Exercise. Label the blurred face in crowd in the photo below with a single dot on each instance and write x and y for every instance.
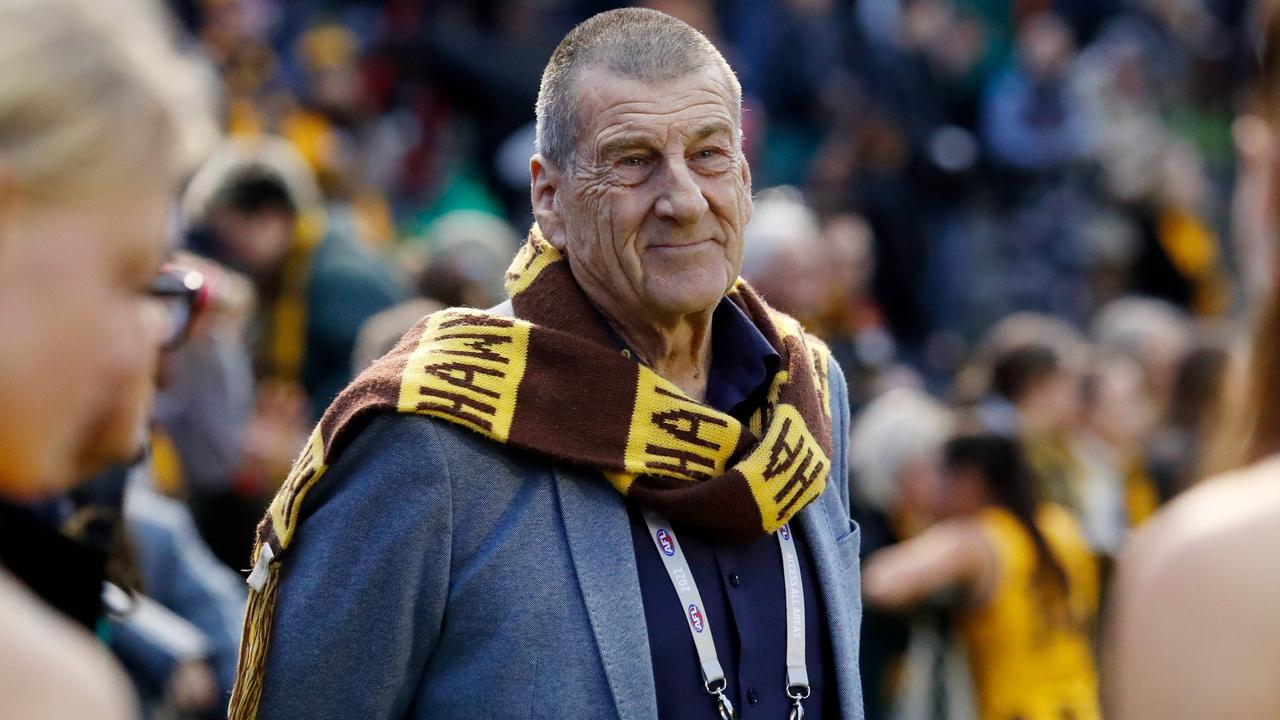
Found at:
(1052, 402)
(920, 490)
(792, 280)
(81, 333)
(964, 492)
(1045, 46)
(1120, 412)
(652, 209)
(851, 260)
(255, 243)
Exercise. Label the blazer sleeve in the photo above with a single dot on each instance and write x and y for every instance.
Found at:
(364, 584)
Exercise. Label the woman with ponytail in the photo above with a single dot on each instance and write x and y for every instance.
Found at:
(1027, 580)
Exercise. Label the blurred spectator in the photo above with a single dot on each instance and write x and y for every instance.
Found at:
(1026, 381)
(1025, 572)
(466, 256)
(784, 257)
(853, 325)
(1151, 332)
(1175, 454)
(177, 571)
(1044, 392)
(894, 459)
(461, 263)
(255, 207)
(1031, 122)
(1116, 493)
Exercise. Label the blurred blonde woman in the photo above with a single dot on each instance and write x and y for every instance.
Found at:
(1027, 582)
(99, 117)
(1197, 611)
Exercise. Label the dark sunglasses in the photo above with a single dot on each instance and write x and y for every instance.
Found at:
(183, 292)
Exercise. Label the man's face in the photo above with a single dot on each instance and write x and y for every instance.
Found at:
(82, 335)
(652, 209)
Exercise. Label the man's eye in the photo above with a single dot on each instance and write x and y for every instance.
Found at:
(705, 154)
(632, 161)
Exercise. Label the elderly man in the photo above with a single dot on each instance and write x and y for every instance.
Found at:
(619, 495)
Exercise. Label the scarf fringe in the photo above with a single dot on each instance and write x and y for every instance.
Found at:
(255, 640)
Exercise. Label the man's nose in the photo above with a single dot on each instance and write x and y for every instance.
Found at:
(681, 199)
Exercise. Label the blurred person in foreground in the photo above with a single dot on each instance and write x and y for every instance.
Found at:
(1196, 629)
(92, 552)
(607, 496)
(99, 118)
(1027, 578)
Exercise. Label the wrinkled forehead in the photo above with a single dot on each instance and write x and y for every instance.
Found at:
(691, 108)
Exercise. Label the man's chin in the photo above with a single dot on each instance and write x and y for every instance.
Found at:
(673, 299)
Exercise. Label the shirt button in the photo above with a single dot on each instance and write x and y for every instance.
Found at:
(753, 697)
(735, 579)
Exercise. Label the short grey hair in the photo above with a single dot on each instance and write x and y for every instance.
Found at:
(630, 42)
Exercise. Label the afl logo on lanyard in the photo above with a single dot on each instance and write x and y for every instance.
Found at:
(785, 532)
(665, 541)
(695, 618)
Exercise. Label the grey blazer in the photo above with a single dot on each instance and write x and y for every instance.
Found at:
(440, 575)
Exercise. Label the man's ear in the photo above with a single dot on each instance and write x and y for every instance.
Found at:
(544, 184)
(745, 171)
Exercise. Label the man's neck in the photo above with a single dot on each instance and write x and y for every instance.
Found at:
(678, 350)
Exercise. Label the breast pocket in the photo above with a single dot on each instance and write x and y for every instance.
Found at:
(848, 545)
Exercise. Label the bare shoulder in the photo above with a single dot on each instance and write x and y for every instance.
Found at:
(1228, 525)
(1195, 632)
(49, 669)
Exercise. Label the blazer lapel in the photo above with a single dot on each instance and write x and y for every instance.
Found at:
(841, 595)
(599, 535)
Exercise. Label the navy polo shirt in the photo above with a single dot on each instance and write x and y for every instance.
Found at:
(741, 585)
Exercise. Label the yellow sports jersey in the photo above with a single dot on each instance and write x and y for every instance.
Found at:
(1030, 663)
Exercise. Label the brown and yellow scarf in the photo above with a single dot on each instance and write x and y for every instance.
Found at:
(551, 381)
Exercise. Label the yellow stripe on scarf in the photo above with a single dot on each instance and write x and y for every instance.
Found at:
(673, 435)
(467, 370)
(787, 469)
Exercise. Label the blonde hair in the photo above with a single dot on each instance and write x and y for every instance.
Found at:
(94, 93)
(1247, 416)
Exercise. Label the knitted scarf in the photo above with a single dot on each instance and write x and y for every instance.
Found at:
(552, 381)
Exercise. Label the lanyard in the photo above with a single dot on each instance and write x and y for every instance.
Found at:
(664, 539)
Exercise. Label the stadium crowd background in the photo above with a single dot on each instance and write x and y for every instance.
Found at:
(1046, 215)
